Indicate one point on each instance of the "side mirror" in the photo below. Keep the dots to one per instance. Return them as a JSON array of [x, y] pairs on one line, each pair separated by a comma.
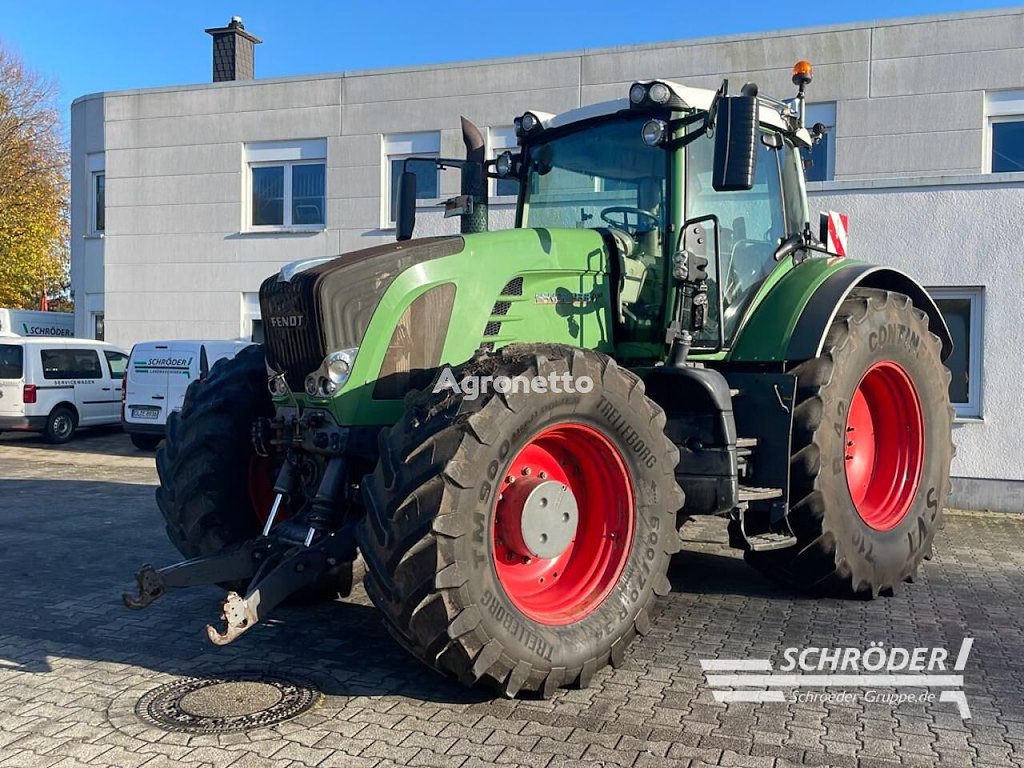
[[736, 129], [405, 217]]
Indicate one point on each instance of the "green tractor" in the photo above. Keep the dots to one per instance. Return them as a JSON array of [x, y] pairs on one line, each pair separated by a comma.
[[507, 429]]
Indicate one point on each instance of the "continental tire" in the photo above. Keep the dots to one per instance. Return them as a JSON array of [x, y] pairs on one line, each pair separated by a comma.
[[205, 462], [871, 452], [463, 483]]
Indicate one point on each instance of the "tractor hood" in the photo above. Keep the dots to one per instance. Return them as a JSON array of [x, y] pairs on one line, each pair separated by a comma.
[[315, 306], [413, 305]]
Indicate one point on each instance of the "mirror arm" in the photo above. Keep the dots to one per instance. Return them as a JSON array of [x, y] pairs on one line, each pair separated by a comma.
[[800, 242]]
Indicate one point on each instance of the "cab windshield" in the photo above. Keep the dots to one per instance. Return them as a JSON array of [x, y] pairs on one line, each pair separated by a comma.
[[601, 176]]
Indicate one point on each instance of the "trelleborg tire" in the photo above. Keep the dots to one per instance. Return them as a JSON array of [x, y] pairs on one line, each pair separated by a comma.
[[871, 452], [457, 508]]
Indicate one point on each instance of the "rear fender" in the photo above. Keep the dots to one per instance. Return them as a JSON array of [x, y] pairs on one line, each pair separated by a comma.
[[808, 336], [791, 322]]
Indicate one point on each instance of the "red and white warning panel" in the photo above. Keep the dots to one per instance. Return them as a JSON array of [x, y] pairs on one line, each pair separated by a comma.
[[834, 227]]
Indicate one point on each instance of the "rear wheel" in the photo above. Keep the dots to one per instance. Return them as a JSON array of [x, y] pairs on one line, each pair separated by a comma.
[[518, 539], [146, 442], [871, 452], [60, 425]]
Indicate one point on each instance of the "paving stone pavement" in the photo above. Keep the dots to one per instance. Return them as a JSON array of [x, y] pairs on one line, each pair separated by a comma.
[[76, 522]]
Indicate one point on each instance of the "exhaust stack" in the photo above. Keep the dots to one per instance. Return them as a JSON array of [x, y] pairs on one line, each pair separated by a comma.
[[474, 180]]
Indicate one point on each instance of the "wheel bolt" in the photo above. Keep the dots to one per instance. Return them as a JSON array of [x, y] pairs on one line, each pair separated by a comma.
[[542, 475], [527, 470], [509, 479], [526, 560]]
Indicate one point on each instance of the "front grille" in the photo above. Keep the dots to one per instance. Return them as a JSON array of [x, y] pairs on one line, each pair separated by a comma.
[[294, 339]]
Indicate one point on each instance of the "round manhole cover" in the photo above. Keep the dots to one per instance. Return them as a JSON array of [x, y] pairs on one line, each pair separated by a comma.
[[238, 701]]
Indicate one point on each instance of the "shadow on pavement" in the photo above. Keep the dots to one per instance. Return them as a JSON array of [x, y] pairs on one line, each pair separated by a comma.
[[108, 441], [69, 548]]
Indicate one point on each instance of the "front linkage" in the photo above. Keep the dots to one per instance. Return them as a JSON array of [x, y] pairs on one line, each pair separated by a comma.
[[283, 560]]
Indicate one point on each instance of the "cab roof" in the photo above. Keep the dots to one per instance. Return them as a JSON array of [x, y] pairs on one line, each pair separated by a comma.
[[696, 99]]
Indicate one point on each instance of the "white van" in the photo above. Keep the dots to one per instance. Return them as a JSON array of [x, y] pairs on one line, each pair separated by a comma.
[[159, 372], [30, 322], [54, 385]]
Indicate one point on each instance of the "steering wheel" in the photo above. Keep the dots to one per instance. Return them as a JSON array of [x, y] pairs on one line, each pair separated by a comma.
[[626, 212]]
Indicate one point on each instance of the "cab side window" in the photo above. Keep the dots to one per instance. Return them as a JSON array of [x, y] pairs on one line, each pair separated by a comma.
[[71, 364], [117, 362], [752, 224]]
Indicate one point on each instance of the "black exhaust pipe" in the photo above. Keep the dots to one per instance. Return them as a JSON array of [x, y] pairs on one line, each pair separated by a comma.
[[474, 180]]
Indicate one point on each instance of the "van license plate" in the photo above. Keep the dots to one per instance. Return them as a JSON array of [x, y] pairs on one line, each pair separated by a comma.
[[145, 413]]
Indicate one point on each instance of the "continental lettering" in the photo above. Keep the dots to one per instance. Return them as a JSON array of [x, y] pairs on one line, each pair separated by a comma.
[[894, 335], [510, 623]]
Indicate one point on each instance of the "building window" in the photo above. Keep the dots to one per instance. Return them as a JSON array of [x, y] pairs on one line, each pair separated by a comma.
[[398, 148], [287, 186], [1005, 112], [99, 202], [252, 324], [503, 140], [820, 160], [962, 310], [98, 330]]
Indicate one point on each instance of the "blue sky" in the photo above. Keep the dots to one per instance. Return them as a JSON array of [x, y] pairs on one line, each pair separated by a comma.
[[99, 45]]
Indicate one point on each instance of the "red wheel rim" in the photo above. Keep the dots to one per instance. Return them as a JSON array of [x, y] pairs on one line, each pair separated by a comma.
[[567, 587], [884, 445], [261, 488]]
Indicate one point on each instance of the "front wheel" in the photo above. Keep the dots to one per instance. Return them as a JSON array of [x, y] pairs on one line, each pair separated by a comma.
[[518, 539], [871, 451]]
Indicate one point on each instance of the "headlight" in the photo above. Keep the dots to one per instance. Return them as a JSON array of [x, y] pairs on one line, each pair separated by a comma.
[[660, 93], [637, 93], [277, 385], [530, 122], [654, 132], [327, 387], [504, 164], [338, 365], [312, 386]]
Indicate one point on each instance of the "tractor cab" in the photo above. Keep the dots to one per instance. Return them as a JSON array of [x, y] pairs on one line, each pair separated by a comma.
[[641, 169]]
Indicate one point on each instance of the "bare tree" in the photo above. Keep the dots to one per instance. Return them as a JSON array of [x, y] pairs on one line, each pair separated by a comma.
[[33, 187]]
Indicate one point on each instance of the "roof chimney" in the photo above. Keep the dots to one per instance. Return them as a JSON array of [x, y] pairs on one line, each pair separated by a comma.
[[233, 52]]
